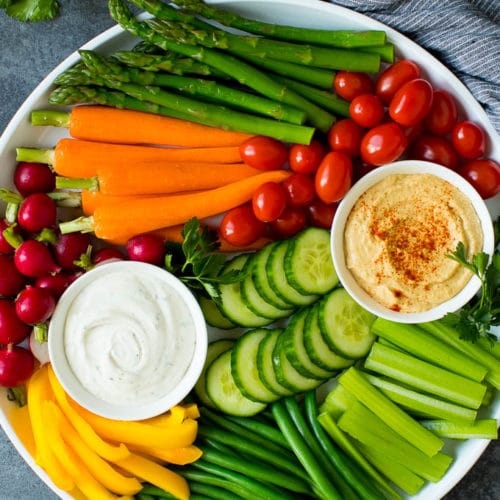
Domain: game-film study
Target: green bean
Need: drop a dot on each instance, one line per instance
(255, 469)
(257, 489)
(346, 467)
(153, 491)
(303, 452)
(211, 491)
(297, 417)
(282, 461)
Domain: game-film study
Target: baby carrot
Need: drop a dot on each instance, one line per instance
(155, 178)
(81, 158)
(141, 215)
(123, 126)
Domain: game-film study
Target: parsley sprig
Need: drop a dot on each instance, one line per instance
(196, 261)
(476, 319)
(31, 10)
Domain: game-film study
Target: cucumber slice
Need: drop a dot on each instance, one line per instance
(244, 367)
(254, 301)
(275, 268)
(293, 343)
(261, 280)
(316, 347)
(286, 374)
(309, 264)
(345, 325)
(213, 315)
(223, 391)
(232, 303)
(265, 366)
(213, 350)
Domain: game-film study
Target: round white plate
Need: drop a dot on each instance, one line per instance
(309, 13)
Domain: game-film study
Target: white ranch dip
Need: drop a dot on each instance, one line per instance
(129, 337)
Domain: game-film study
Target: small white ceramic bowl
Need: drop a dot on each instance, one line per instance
(347, 204)
(120, 325)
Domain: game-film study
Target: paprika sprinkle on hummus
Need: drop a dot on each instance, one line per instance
(398, 235)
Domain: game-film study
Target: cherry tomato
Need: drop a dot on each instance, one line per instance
(366, 110)
(333, 177)
(383, 144)
(394, 77)
(411, 103)
(468, 139)
(264, 153)
(290, 222)
(240, 227)
(443, 114)
(299, 189)
(349, 84)
(320, 214)
(305, 158)
(414, 132)
(269, 201)
(345, 136)
(484, 175)
(435, 148)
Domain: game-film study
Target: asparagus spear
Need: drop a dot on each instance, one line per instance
(215, 115)
(334, 38)
(171, 63)
(309, 55)
(99, 67)
(239, 70)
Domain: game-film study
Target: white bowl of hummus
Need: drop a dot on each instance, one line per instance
(392, 236)
(127, 340)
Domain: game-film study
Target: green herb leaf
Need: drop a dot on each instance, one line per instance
(32, 10)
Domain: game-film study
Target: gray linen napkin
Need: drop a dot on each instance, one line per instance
(463, 34)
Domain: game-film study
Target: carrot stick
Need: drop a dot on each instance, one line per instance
(155, 178)
(79, 158)
(123, 126)
(141, 215)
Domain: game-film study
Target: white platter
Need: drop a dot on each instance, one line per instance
(311, 13)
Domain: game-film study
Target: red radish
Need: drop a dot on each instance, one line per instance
(36, 212)
(33, 259)
(39, 349)
(12, 329)
(69, 248)
(16, 365)
(146, 248)
(5, 246)
(55, 283)
(32, 178)
(107, 254)
(11, 280)
(35, 305)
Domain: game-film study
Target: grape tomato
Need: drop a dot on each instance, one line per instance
(290, 222)
(269, 201)
(264, 153)
(334, 177)
(240, 226)
(305, 158)
(349, 84)
(345, 136)
(437, 149)
(320, 214)
(299, 189)
(443, 113)
(468, 139)
(367, 110)
(382, 144)
(411, 103)
(394, 77)
(484, 175)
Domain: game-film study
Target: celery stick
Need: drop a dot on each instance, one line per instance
(357, 384)
(448, 334)
(425, 346)
(492, 348)
(400, 475)
(363, 425)
(416, 403)
(345, 442)
(485, 428)
(425, 376)
(337, 401)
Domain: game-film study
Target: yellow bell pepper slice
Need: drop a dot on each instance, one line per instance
(20, 421)
(174, 416)
(74, 467)
(109, 477)
(192, 410)
(176, 456)
(156, 474)
(141, 433)
(106, 450)
(38, 392)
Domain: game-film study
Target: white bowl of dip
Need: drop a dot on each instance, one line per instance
(391, 235)
(127, 340)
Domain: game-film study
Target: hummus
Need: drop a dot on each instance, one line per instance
(398, 235)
